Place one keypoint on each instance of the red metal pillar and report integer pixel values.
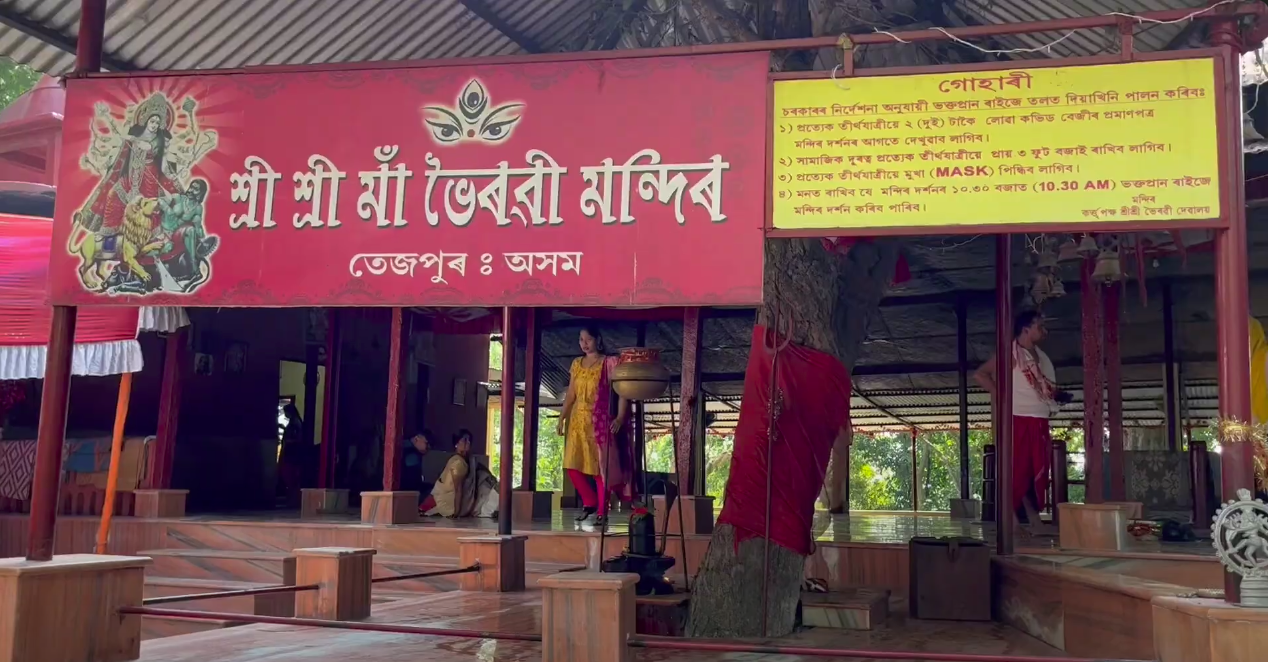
(330, 401)
(92, 28)
(1112, 298)
(962, 381)
(506, 468)
(393, 429)
(1004, 394)
(1093, 387)
(52, 434)
(1171, 391)
(1232, 298)
(692, 330)
(532, 397)
(169, 411)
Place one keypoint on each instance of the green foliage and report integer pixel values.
(881, 475)
(15, 80)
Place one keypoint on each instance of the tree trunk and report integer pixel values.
(831, 298)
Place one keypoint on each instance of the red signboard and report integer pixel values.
(620, 182)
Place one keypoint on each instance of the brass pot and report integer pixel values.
(639, 374)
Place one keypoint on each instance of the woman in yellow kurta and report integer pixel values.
(590, 431)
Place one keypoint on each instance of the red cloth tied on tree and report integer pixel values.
(815, 389)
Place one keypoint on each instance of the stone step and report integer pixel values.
(847, 609)
(260, 567)
(281, 604)
(159, 628)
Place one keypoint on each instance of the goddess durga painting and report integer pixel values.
(141, 230)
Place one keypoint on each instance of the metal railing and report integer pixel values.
(264, 590)
(333, 625)
(474, 567)
(679, 644)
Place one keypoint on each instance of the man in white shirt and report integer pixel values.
(1035, 399)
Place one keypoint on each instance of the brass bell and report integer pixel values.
(1107, 268)
(1087, 246)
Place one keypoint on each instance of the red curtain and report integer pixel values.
(24, 311)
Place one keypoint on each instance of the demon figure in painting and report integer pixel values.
(141, 230)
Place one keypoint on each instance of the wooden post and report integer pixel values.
(1114, 389)
(501, 560)
(587, 616)
(116, 450)
(1004, 394)
(532, 397)
(962, 355)
(52, 434)
(169, 412)
(505, 466)
(1093, 387)
(392, 430)
(692, 330)
(342, 575)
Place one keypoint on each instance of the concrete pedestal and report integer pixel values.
(67, 609)
(697, 514)
(160, 503)
(1203, 630)
(342, 575)
(527, 506)
(587, 616)
(317, 501)
(1093, 526)
(501, 559)
(389, 507)
(966, 509)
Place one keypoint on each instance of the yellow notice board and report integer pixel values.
(1119, 142)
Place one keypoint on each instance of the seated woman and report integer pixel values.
(461, 491)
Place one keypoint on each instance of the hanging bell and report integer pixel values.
(1058, 288)
(1108, 269)
(1087, 247)
(1068, 249)
(1047, 260)
(1040, 288)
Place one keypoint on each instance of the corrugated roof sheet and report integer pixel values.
(171, 35)
(1149, 37)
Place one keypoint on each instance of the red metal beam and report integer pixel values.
(92, 29)
(332, 625)
(532, 396)
(808, 43)
(52, 434)
(506, 465)
(393, 429)
(1093, 386)
(1003, 402)
(1114, 390)
(692, 330)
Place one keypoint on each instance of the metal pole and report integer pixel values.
(1232, 296)
(687, 440)
(116, 450)
(1093, 388)
(915, 473)
(506, 466)
(1114, 392)
(1004, 394)
(164, 453)
(52, 434)
(392, 429)
(962, 353)
(92, 28)
(1170, 390)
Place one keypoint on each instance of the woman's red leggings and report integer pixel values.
(590, 498)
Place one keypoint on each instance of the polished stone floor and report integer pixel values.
(520, 613)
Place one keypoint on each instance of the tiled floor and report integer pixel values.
(521, 613)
